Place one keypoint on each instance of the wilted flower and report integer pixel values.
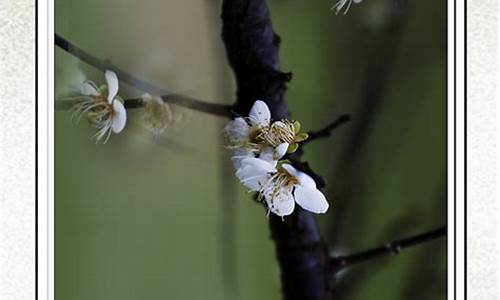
(102, 107)
(157, 115)
(281, 186)
(340, 4)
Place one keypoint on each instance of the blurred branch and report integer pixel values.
(395, 247)
(228, 220)
(181, 100)
(327, 130)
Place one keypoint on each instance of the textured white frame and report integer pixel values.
(483, 150)
(17, 150)
(45, 173)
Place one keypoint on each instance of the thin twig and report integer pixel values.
(395, 247)
(181, 100)
(327, 130)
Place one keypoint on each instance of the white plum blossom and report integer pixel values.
(248, 137)
(281, 186)
(102, 107)
(340, 4)
(259, 145)
(157, 115)
(240, 132)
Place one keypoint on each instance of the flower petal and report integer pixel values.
(272, 155)
(119, 117)
(310, 199)
(259, 114)
(89, 88)
(281, 204)
(237, 130)
(254, 173)
(259, 164)
(112, 81)
(304, 179)
(239, 154)
(267, 154)
(252, 179)
(280, 150)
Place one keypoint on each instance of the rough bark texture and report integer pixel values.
(252, 51)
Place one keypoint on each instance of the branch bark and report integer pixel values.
(252, 51)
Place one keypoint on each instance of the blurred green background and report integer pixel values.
(146, 218)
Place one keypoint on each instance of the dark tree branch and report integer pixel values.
(181, 100)
(395, 247)
(327, 130)
(252, 51)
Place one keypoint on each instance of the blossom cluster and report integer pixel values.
(259, 147)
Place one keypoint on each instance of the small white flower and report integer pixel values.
(157, 115)
(240, 133)
(281, 186)
(102, 107)
(248, 137)
(339, 5)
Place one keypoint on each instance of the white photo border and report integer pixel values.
(44, 169)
